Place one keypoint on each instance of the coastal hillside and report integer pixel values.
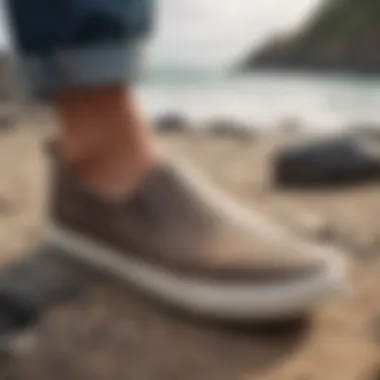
(343, 35)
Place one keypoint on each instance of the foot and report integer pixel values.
(178, 239)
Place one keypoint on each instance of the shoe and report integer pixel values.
(178, 239)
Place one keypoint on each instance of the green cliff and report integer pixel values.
(343, 35)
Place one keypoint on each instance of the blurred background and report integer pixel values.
(264, 61)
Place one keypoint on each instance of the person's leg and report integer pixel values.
(103, 137)
(118, 205)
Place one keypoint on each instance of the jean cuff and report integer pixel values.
(100, 64)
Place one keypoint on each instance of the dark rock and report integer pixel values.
(170, 123)
(330, 161)
(29, 287)
(17, 311)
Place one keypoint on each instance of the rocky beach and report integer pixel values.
(107, 331)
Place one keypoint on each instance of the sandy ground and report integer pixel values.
(109, 332)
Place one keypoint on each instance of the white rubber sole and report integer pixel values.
(221, 300)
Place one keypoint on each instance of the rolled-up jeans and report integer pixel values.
(79, 43)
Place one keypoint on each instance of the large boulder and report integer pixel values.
(328, 161)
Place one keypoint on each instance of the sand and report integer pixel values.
(109, 332)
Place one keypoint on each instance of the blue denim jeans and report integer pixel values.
(66, 43)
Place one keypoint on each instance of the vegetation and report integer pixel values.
(343, 35)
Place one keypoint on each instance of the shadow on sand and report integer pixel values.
(91, 327)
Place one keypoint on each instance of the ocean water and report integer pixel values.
(263, 99)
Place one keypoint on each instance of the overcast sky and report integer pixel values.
(201, 31)
(214, 31)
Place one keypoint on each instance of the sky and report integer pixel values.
(205, 32)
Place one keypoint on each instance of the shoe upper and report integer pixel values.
(172, 222)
